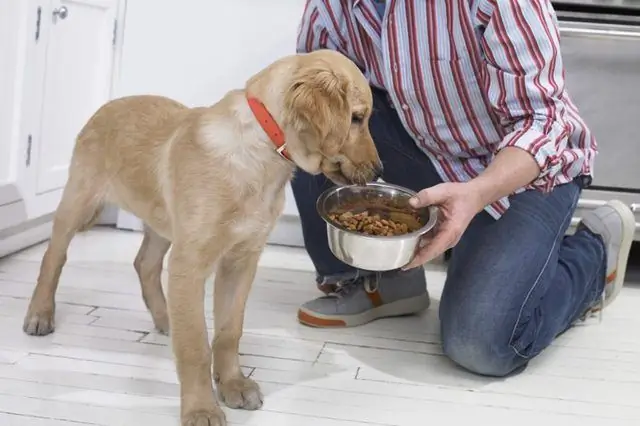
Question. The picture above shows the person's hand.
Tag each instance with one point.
(458, 204)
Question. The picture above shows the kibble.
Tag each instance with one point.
(370, 224)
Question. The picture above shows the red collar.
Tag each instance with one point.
(269, 125)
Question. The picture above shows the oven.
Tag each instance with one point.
(600, 42)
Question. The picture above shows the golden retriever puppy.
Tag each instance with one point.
(210, 182)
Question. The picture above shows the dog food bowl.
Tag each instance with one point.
(372, 252)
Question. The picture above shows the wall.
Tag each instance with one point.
(197, 50)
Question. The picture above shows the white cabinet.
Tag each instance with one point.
(12, 52)
(77, 81)
(56, 70)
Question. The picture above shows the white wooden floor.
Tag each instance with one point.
(105, 366)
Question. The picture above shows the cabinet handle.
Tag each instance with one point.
(61, 12)
(598, 30)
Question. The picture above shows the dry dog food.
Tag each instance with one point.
(376, 224)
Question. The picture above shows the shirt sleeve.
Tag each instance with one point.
(525, 80)
(314, 33)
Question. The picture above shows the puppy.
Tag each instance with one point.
(210, 182)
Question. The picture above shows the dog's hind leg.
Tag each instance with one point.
(81, 202)
(148, 265)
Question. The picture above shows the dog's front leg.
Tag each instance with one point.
(234, 277)
(186, 288)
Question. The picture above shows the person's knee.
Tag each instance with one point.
(479, 349)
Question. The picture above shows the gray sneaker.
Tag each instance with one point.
(616, 224)
(365, 299)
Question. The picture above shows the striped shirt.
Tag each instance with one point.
(467, 77)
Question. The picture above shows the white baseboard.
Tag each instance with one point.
(128, 221)
(13, 240)
(287, 232)
(109, 216)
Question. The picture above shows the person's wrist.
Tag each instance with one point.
(481, 192)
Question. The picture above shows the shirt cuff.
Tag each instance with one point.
(542, 148)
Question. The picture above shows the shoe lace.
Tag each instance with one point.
(346, 287)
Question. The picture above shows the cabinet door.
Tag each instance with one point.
(12, 29)
(22, 54)
(77, 82)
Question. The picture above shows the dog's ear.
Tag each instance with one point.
(317, 100)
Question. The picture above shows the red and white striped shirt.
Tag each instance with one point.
(467, 77)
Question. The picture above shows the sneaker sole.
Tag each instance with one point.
(399, 308)
(628, 233)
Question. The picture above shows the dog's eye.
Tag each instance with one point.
(356, 119)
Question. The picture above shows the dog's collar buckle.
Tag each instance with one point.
(270, 126)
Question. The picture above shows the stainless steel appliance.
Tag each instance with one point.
(600, 42)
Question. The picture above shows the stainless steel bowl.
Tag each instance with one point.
(367, 252)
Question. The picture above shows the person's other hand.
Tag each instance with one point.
(458, 204)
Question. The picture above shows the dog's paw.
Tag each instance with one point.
(39, 323)
(241, 393)
(162, 325)
(214, 417)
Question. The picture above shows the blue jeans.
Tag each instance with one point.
(513, 284)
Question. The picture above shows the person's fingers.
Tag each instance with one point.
(440, 243)
(426, 239)
(435, 195)
(416, 261)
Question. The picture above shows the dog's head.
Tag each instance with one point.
(326, 108)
